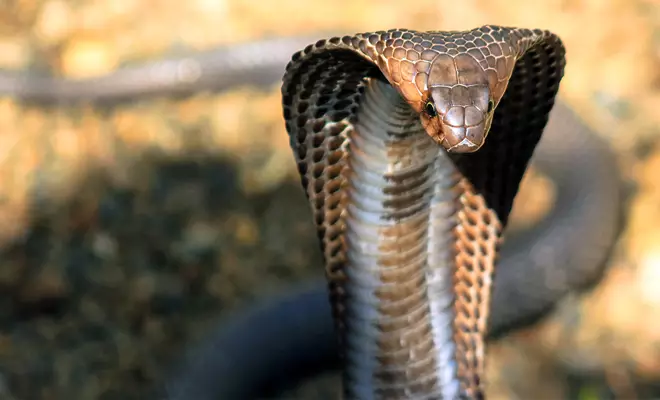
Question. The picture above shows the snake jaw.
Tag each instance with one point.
(464, 146)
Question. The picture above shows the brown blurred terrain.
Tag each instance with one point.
(125, 233)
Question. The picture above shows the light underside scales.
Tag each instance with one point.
(399, 220)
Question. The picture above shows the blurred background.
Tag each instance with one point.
(126, 233)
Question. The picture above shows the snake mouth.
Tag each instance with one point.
(464, 146)
(455, 139)
(464, 139)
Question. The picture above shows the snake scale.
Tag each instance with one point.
(410, 147)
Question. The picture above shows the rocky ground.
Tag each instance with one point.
(126, 232)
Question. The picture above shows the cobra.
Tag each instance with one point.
(410, 230)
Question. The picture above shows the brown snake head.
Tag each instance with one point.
(459, 103)
(454, 80)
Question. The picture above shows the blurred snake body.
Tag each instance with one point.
(411, 147)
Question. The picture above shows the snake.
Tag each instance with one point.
(410, 147)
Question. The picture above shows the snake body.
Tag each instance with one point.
(410, 201)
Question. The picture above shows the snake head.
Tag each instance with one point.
(458, 108)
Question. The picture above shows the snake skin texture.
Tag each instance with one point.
(280, 342)
(410, 229)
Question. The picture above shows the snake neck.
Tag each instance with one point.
(398, 333)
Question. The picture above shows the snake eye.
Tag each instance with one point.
(491, 105)
(429, 107)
